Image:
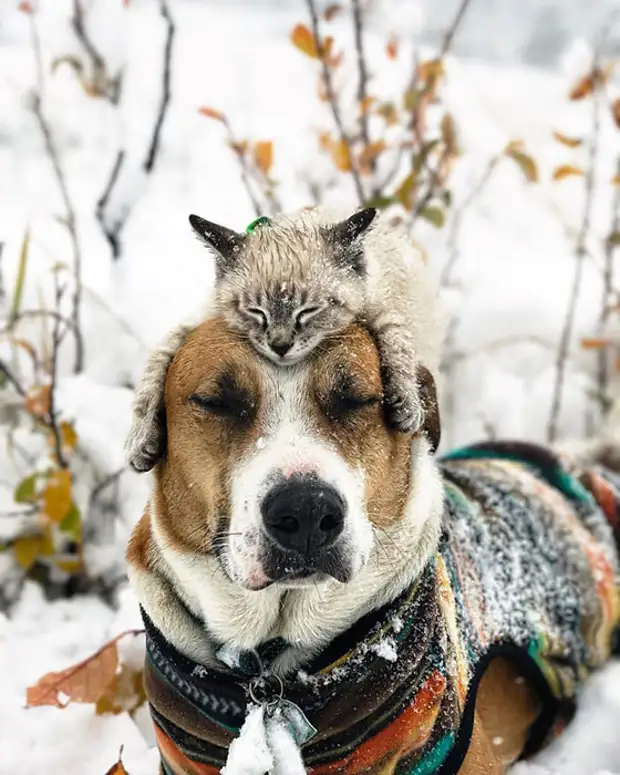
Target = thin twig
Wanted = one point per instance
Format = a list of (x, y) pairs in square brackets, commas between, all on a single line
[(52, 414), (448, 38), (453, 254), (608, 285), (239, 152), (8, 374), (70, 220), (333, 103), (362, 82), (580, 255), (112, 231), (100, 79)]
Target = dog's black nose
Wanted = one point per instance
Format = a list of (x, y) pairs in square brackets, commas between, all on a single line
[(303, 515), (281, 348)]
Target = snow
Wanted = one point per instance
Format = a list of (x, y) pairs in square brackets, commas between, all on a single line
[(510, 287)]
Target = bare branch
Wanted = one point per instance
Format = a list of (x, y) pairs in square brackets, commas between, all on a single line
[(10, 377), (362, 81), (70, 220), (580, 255), (332, 99), (113, 231), (446, 273), (110, 90), (606, 300), (448, 38), (52, 414)]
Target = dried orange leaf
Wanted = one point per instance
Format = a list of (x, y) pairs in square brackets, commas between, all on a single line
[(304, 40), (615, 112), (587, 84), (263, 155), (331, 11), (571, 142), (595, 343), (341, 156), (391, 48), (369, 154), (524, 161), (57, 495), (367, 103), (38, 401), (566, 171), (212, 113), (124, 694), (85, 682), (118, 768)]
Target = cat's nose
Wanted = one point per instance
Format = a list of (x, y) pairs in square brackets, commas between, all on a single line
[(281, 348)]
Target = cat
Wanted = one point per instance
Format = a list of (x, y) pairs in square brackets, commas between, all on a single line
[(289, 282)]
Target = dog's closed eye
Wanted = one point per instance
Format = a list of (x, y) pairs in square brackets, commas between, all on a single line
[(228, 400), (347, 398)]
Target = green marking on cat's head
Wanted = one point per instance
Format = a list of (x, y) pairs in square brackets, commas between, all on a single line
[(261, 221)]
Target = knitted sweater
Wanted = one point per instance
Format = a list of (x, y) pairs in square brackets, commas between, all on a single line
[(527, 567)]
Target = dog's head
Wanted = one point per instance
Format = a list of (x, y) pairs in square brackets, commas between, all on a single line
[(287, 476)]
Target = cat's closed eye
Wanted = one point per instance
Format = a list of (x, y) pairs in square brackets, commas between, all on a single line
[(259, 315), (305, 315)]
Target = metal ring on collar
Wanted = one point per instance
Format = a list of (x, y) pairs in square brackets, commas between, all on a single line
[(261, 687)]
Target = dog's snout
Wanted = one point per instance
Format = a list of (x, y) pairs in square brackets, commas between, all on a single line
[(303, 515)]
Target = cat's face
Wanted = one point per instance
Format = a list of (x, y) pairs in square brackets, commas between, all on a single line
[(289, 284), (286, 327)]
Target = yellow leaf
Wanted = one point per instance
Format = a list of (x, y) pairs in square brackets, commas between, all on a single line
[(571, 142), (434, 215), (367, 103), (304, 40), (448, 134), (387, 110), (28, 549), (430, 70), (391, 48), (57, 495), (212, 113), (69, 564), (368, 156), (38, 401), (263, 155), (565, 171), (404, 192), (331, 11), (68, 435), (524, 161), (341, 156)]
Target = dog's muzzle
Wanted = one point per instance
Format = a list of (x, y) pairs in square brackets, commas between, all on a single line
[(303, 518)]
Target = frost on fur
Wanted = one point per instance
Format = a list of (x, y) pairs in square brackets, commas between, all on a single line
[(305, 277)]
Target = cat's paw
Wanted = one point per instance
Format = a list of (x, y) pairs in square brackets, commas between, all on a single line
[(402, 405)]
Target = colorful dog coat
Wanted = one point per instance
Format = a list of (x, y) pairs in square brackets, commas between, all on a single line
[(527, 568)]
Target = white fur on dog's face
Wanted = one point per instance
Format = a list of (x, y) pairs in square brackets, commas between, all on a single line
[(291, 445)]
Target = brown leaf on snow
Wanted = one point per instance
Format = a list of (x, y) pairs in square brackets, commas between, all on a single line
[(566, 171), (118, 768), (85, 682)]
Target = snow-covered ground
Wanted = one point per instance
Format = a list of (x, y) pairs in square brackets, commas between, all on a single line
[(511, 283)]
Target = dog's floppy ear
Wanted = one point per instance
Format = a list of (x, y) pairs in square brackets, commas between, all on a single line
[(146, 443), (431, 426), (224, 243)]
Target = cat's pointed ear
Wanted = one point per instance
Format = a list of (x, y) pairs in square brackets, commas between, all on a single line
[(225, 243), (346, 234)]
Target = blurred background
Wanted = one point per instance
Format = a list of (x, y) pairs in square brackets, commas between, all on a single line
[(489, 129)]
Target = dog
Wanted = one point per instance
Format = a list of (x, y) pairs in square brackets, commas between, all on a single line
[(319, 585)]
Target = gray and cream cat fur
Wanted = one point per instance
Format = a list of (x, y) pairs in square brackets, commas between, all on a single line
[(297, 279)]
